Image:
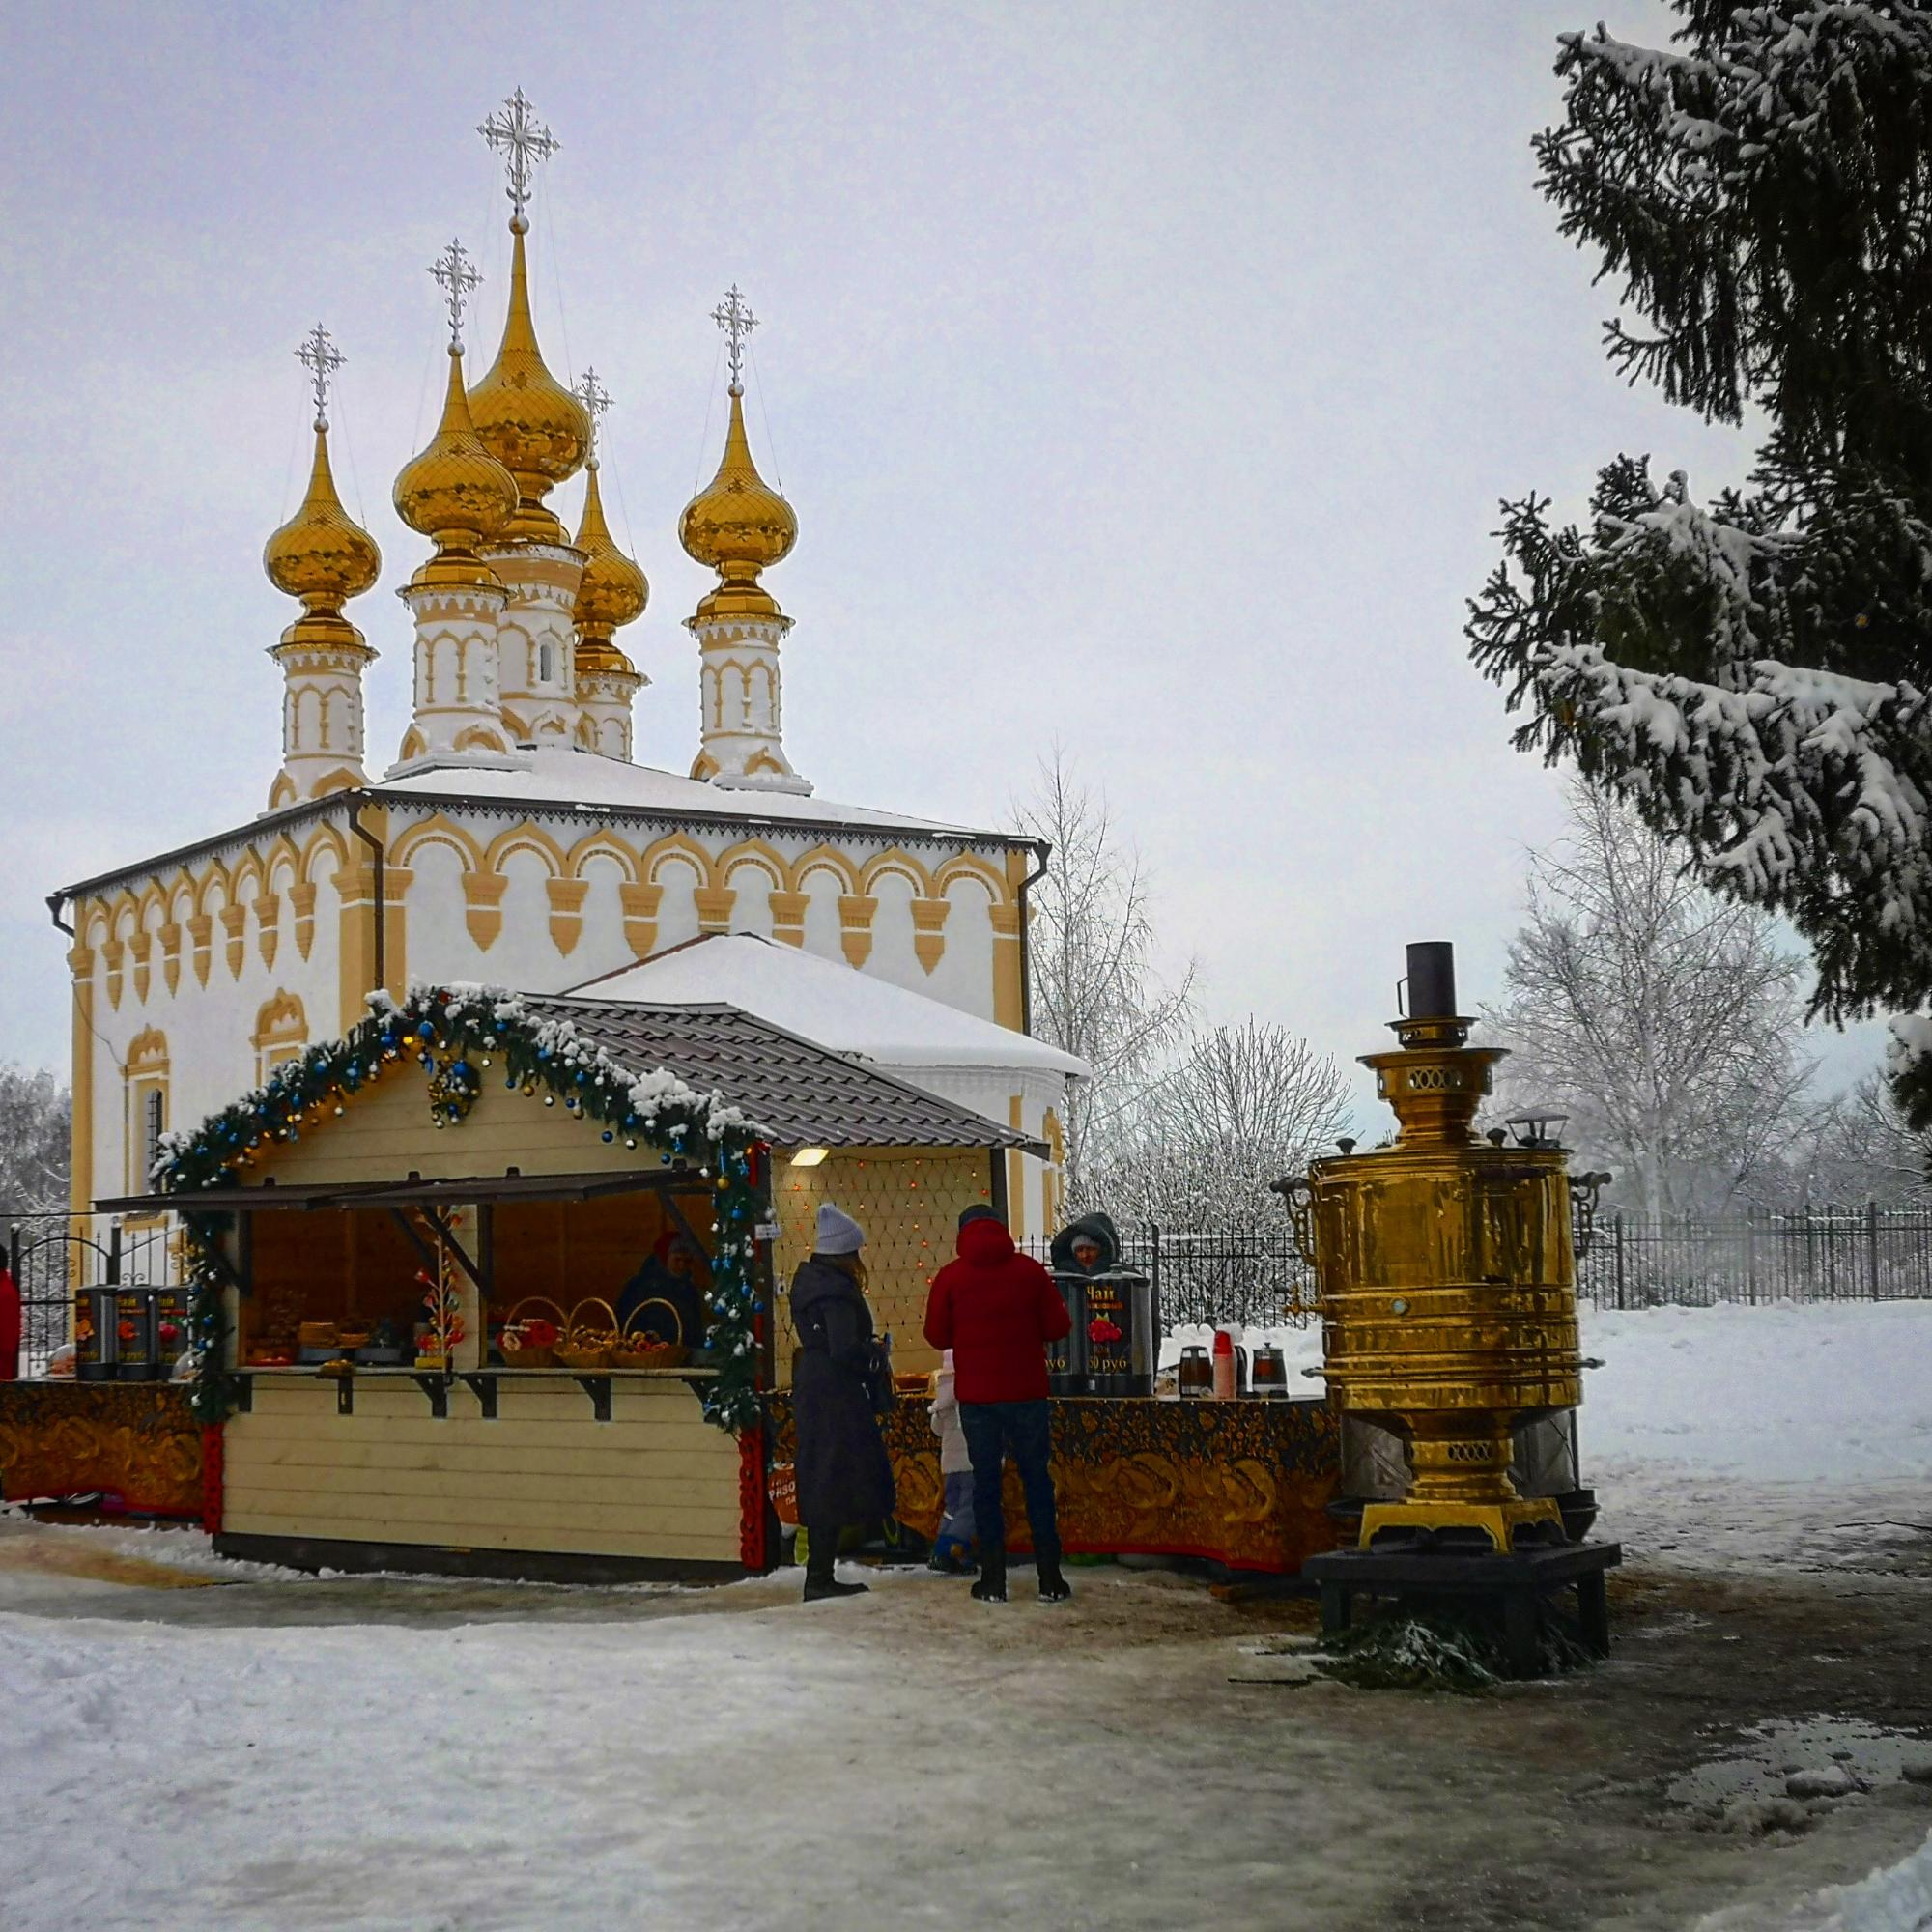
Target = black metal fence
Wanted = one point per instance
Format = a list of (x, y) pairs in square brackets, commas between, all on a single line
[(50, 1260), (1865, 1253), (1249, 1274)]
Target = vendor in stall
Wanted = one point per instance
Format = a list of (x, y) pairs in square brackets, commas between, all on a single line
[(675, 1278), (1086, 1247)]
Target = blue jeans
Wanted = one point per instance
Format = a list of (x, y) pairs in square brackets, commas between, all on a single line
[(994, 1431)]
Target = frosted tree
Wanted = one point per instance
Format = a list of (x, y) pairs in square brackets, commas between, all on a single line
[(1859, 1147), (1667, 1022), (1095, 990), (1238, 1108), (1751, 673), (33, 1116)]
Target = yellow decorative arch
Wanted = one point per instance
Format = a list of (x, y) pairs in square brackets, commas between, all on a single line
[(180, 898), (282, 1030), (966, 866), (283, 862), (412, 747), (342, 778), (604, 844), (473, 738), (903, 864), (148, 1052), (283, 792), (756, 852), (438, 829), (124, 920), (324, 838), (93, 922), (247, 881), (153, 901), (677, 845), (215, 876), (825, 859), (529, 836)]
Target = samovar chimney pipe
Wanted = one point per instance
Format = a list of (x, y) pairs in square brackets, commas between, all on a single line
[(1432, 979)]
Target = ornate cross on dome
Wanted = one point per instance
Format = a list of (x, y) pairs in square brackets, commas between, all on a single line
[(733, 315), (596, 399), (321, 358), (456, 277), (515, 133)]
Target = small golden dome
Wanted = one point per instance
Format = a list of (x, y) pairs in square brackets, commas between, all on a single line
[(455, 492), (320, 555), (738, 524), (525, 417), (612, 590)]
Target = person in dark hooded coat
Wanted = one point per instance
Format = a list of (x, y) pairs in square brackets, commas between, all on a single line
[(1089, 1245), (844, 1475)]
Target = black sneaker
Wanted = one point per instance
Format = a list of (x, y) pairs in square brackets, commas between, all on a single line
[(1053, 1588), (991, 1588)]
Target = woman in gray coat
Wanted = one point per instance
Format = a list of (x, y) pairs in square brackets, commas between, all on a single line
[(844, 1473)]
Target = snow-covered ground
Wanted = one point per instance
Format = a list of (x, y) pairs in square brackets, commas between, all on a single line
[(251, 1751)]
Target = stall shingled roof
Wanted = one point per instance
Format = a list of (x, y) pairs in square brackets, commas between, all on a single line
[(800, 1094)]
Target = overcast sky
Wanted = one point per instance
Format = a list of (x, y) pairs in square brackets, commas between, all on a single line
[(1144, 377)]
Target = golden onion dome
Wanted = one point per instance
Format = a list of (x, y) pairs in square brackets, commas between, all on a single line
[(612, 590), (320, 555), (525, 417), (455, 492), (738, 524)]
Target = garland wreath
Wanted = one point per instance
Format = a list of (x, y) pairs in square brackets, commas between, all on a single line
[(460, 1035)]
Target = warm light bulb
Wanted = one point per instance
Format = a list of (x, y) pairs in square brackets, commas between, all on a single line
[(809, 1156)]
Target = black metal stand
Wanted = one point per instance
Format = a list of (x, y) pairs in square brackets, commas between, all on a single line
[(1517, 1583)]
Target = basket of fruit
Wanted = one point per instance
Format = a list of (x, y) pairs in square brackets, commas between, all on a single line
[(652, 1338), (530, 1341), (588, 1343)]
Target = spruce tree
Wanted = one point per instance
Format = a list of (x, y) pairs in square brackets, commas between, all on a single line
[(1753, 674)]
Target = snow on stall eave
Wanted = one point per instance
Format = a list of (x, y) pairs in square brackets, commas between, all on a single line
[(834, 1006)]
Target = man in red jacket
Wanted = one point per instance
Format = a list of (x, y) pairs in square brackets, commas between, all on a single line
[(997, 1310)]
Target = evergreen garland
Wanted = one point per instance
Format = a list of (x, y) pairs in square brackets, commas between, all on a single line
[(460, 1036), (1753, 674)]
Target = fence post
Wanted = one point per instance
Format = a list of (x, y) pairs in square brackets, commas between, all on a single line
[(1620, 1258), (1871, 1244), (1154, 1269), (114, 1253)]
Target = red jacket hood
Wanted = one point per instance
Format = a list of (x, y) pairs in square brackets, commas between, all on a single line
[(986, 1242)]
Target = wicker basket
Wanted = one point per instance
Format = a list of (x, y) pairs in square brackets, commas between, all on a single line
[(634, 1352), (536, 1358), (587, 1344)]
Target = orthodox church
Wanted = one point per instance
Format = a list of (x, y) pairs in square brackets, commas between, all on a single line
[(512, 841)]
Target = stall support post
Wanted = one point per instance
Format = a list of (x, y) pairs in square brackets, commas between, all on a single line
[(764, 1271)]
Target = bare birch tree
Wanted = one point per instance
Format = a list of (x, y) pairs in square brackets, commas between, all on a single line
[(1668, 1023), (1094, 987), (34, 1115), (1238, 1107)]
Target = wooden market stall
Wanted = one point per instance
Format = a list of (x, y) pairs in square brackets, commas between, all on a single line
[(520, 1160)]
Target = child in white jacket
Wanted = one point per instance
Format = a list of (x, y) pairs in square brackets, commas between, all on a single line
[(952, 1547)]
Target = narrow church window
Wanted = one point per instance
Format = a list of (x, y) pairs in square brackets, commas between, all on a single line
[(154, 1123), (543, 664)]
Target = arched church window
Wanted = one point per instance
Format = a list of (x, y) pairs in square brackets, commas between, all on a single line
[(545, 663)]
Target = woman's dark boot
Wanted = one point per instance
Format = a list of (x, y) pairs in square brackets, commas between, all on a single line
[(821, 1553), (1053, 1588), (991, 1588)]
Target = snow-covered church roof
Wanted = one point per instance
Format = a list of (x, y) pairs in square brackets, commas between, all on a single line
[(837, 1007), (559, 774)]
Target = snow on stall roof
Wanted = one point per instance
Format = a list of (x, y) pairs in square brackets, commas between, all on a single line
[(836, 1007), (558, 775)]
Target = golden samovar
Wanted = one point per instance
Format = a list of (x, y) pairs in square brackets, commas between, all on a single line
[(1447, 1278)]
